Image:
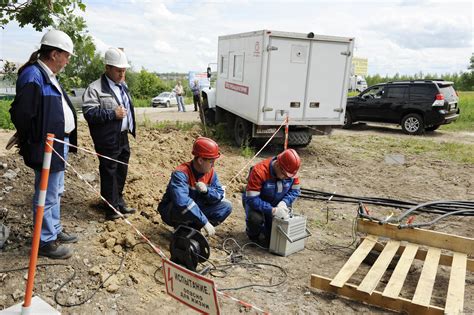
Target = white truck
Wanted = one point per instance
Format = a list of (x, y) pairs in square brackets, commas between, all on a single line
[(265, 76), (357, 83)]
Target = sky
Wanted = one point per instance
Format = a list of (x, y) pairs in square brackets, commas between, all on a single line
[(403, 37)]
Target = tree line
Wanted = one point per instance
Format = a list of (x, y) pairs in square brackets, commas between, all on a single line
[(463, 81)]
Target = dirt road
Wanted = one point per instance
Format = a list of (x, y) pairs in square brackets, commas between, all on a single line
[(347, 162)]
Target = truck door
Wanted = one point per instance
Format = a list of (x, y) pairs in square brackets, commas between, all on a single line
[(329, 66), (286, 78)]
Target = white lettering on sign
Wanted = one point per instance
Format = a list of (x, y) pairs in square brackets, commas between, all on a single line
[(190, 288), (237, 87)]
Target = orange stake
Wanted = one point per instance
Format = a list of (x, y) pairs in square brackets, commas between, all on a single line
[(48, 149)]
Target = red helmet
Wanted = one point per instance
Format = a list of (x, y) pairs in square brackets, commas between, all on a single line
[(289, 162), (206, 148)]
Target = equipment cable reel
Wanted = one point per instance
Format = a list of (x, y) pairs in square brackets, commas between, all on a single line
[(189, 247)]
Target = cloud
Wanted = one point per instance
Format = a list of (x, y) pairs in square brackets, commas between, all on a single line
[(419, 33), (164, 47)]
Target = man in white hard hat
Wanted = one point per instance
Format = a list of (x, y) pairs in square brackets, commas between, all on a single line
[(108, 109), (41, 106)]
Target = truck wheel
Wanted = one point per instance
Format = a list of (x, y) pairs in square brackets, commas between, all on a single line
[(209, 113), (241, 132), (412, 124), (347, 121), (299, 138)]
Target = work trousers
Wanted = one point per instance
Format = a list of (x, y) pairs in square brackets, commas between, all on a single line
[(197, 102), (114, 174), (258, 224), (51, 225), (215, 213)]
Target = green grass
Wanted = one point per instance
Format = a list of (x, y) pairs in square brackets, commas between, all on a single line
[(465, 122), (5, 121), (377, 146), (167, 124), (140, 102)]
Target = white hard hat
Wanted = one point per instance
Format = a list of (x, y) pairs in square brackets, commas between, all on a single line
[(115, 57), (58, 39)]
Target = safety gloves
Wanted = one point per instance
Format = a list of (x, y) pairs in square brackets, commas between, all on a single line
[(201, 187), (209, 228), (281, 211)]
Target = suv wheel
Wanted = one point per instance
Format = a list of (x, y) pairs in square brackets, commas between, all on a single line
[(347, 121), (412, 124)]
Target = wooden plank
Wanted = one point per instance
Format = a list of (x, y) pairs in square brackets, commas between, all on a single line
[(430, 238), (444, 260), (354, 261), (455, 298), (425, 285), (398, 305), (395, 284), (379, 267)]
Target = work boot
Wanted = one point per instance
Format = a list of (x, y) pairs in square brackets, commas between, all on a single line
[(112, 216), (66, 238), (55, 251), (126, 210)]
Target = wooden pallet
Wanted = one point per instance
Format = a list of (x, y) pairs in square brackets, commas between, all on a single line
[(410, 250)]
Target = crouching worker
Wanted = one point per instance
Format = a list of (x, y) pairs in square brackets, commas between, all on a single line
[(194, 197), (272, 187)]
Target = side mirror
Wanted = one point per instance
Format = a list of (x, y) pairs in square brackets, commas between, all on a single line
[(209, 72)]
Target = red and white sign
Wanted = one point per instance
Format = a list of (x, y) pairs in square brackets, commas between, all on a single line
[(190, 288), (237, 87)]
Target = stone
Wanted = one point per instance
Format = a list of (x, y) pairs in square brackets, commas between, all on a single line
[(89, 177), (110, 243), (117, 249), (113, 288), (10, 174), (130, 240), (18, 294), (94, 270)]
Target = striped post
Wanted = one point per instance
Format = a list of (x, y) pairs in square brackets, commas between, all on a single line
[(286, 131), (48, 149)]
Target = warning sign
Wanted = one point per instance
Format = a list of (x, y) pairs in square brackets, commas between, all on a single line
[(360, 66), (190, 288)]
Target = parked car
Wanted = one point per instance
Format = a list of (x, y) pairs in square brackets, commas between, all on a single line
[(417, 106), (164, 99)]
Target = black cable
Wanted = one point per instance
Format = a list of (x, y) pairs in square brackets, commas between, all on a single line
[(439, 207), (254, 264), (95, 290)]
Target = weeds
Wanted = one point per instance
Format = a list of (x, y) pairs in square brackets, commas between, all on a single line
[(5, 121)]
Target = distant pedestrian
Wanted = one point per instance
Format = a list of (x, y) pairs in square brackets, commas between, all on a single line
[(108, 109), (41, 106), (196, 88), (179, 91)]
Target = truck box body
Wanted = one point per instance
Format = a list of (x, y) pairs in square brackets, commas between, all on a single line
[(262, 76)]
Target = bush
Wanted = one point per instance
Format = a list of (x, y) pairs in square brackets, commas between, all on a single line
[(5, 121)]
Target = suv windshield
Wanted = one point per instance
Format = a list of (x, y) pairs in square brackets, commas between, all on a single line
[(375, 92)]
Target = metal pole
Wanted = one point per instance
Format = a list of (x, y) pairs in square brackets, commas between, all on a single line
[(286, 132), (48, 149)]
